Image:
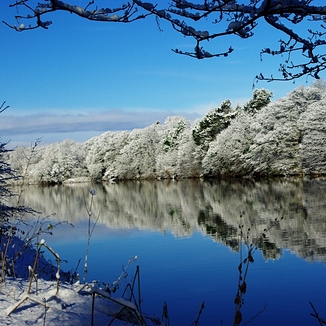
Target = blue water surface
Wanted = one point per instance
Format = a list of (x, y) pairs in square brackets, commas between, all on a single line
[(186, 271)]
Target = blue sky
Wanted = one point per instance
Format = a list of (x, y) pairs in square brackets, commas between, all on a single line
[(80, 78)]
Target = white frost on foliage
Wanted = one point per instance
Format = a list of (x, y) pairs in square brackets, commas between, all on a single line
[(284, 138), (52, 163)]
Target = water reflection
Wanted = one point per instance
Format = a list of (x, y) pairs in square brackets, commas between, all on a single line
[(186, 235), (213, 208)]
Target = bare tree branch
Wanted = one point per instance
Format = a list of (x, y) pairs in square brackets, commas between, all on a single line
[(3, 107), (320, 320), (208, 20)]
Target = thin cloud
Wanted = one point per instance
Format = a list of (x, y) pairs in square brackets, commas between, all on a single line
[(112, 120)]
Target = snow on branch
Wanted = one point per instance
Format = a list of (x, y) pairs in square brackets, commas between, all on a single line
[(300, 22), (35, 11)]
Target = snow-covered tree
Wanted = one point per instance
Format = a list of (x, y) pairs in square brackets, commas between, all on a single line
[(175, 151), (188, 164), (7, 175), (299, 22), (18, 159), (206, 129), (260, 99), (102, 152), (53, 163), (284, 138), (225, 154), (172, 129), (137, 159)]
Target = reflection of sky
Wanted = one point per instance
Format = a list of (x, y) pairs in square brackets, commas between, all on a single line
[(287, 286), (184, 271)]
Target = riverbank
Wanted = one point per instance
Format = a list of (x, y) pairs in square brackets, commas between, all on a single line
[(43, 302)]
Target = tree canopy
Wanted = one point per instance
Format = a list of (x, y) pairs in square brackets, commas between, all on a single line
[(285, 137), (300, 22)]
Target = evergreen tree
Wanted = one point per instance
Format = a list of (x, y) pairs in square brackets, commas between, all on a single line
[(260, 99), (206, 130)]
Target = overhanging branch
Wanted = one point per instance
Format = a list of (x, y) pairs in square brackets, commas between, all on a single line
[(209, 20)]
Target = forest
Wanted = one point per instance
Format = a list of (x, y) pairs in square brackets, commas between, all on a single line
[(260, 139)]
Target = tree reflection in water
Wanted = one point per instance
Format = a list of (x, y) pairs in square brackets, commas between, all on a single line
[(190, 207), (261, 242)]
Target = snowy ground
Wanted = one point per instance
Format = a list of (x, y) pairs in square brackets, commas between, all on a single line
[(47, 303), (45, 307)]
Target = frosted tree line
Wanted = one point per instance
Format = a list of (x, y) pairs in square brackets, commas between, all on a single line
[(285, 137)]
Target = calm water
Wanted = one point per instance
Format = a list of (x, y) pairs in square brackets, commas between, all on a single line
[(186, 237)]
